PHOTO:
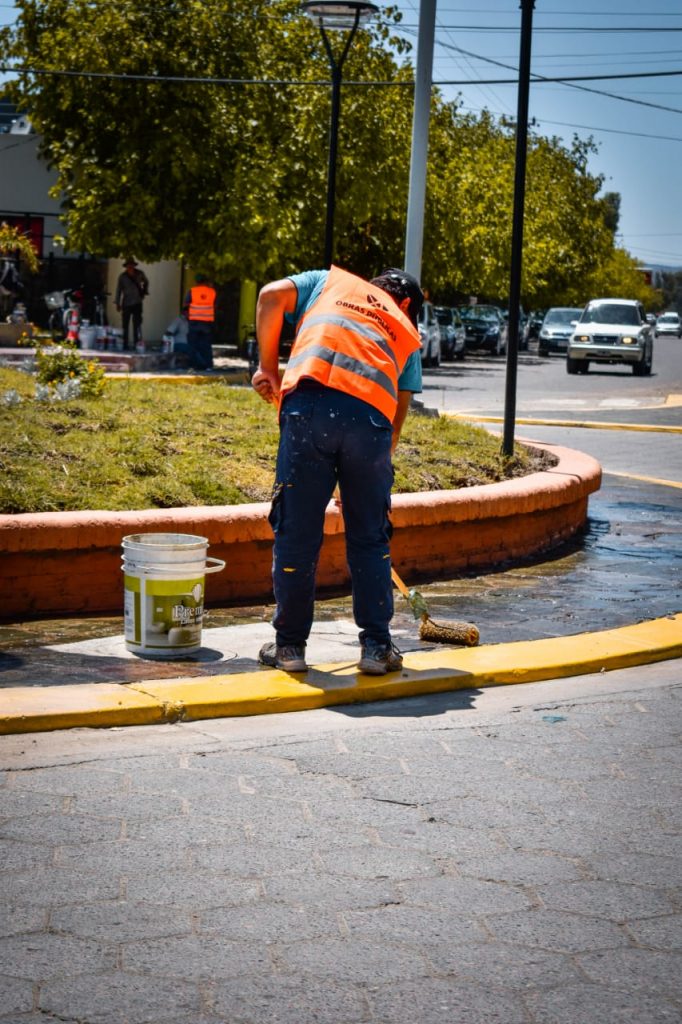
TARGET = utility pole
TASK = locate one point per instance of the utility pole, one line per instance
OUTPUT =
(414, 237)
(527, 7)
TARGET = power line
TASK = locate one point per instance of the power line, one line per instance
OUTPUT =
(613, 131)
(648, 253)
(594, 14)
(568, 29)
(192, 79)
(539, 122)
(536, 77)
(604, 59)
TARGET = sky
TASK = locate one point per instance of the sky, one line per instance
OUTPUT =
(639, 144)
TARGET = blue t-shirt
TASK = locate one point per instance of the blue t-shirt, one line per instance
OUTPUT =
(309, 284)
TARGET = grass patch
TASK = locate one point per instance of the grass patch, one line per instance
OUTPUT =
(148, 444)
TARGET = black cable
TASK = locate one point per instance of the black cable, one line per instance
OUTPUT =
(536, 77)
(190, 79)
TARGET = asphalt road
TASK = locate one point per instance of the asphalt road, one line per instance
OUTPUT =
(476, 387)
(478, 384)
(505, 855)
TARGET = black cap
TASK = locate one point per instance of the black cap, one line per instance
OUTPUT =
(402, 285)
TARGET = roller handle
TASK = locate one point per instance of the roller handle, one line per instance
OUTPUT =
(399, 584)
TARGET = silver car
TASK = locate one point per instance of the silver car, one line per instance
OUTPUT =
(451, 332)
(669, 323)
(611, 331)
(557, 328)
(429, 336)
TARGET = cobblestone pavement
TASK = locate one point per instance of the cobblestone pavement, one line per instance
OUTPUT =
(507, 855)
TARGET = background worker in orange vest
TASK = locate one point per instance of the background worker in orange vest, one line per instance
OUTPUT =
(199, 306)
(343, 398)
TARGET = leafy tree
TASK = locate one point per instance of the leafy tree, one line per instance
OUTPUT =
(230, 177)
(14, 242)
(611, 203)
(471, 182)
(671, 290)
(620, 276)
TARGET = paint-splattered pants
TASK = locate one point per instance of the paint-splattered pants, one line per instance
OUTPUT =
(327, 436)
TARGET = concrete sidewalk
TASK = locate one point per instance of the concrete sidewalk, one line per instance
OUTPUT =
(608, 599)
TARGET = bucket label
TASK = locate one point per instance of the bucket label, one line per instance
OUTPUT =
(163, 614)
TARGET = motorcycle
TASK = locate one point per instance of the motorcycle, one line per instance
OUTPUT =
(65, 313)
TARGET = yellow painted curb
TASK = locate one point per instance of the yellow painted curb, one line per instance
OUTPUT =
(43, 708)
(587, 424)
(36, 709)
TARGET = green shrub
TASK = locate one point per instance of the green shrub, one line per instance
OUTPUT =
(66, 374)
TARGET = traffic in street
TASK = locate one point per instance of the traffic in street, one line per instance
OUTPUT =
(475, 388)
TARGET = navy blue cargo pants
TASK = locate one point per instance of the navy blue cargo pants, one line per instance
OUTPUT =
(327, 436)
(200, 342)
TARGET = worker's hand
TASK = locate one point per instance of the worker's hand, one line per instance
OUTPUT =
(267, 384)
(118, 308)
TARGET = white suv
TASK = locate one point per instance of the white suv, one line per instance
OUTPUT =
(611, 331)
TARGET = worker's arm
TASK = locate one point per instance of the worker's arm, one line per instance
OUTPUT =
(404, 399)
(409, 384)
(274, 301)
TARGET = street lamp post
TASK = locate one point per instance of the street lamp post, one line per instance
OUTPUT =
(517, 225)
(330, 15)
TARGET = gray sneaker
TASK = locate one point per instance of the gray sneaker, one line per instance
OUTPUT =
(377, 659)
(290, 657)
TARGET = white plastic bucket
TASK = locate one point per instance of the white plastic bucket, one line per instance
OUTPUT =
(87, 336)
(164, 581)
(116, 336)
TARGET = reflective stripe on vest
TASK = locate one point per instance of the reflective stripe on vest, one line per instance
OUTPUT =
(201, 303)
(354, 338)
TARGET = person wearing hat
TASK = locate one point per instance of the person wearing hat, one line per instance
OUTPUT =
(354, 366)
(131, 289)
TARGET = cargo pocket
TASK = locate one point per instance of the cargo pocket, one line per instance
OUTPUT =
(275, 514)
(388, 525)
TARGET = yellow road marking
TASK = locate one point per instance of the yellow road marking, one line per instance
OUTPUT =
(589, 424)
(645, 479)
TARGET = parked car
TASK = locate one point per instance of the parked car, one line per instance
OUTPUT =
(557, 328)
(429, 336)
(669, 323)
(523, 320)
(460, 335)
(451, 332)
(531, 330)
(484, 328)
(611, 331)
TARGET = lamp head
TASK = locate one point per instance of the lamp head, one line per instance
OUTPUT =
(334, 14)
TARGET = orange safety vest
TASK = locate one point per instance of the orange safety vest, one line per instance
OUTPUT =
(202, 303)
(354, 338)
